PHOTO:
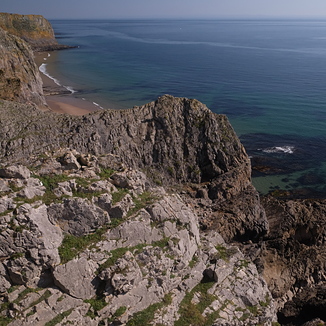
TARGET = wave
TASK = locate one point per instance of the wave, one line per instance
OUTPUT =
(44, 71)
(96, 104)
(280, 149)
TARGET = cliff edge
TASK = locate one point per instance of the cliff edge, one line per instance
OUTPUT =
(34, 29)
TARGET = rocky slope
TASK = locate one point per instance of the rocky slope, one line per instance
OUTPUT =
(86, 245)
(34, 29)
(174, 140)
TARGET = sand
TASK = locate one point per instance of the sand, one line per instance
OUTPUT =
(57, 97)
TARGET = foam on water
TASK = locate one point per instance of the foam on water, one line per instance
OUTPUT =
(44, 71)
(279, 149)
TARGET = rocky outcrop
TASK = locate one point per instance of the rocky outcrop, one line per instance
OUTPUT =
(151, 265)
(34, 29)
(20, 79)
(173, 140)
(292, 258)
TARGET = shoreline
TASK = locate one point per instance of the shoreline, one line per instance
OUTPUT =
(58, 98)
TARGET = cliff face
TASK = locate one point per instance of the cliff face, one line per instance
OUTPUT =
(34, 29)
(174, 140)
(20, 79)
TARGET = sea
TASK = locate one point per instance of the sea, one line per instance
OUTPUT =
(267, 76)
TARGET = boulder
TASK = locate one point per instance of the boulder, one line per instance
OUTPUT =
(81, 283)
(15, 171)
(78, 216)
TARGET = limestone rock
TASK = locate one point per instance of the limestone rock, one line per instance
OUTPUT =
(121, 209)
(81, 282)
(78, 216)
(15, 171)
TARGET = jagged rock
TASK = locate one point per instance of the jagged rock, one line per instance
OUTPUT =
(123, 276)
(23, 272)
(4, 186)
(81, 282)
(6, 204)
(78, 216)
(104, 201)
(4, 283)
(32, 188)
(41, 238)
(15, 171)
(121, 209)
(65, 188)
(131, 179)
(69, 161)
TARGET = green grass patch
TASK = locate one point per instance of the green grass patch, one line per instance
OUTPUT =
(146, 316)
(143, 200)
(190, 313)
(118, 195)
(50, 182)
(4, 320)
(120, 252)
(59, 318)
(119, 312)
(72, 245)
(106, 173)
(97, 304)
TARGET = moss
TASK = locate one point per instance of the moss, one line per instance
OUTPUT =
(225, 253)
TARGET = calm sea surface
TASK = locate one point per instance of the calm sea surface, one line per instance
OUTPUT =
(268, 77)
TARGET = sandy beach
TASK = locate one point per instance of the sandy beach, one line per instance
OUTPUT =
(58, 98)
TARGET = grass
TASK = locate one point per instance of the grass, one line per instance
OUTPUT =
(106, 173)
(119, 252)
(59, 318)
(119, 312)
(146, 316)
(97, 304)
(143, 200)
(72, 245)
(190, 313)
(118, 195)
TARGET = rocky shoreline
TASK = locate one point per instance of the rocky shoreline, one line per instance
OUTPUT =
(144, 216)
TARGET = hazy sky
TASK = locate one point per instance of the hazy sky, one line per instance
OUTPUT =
(166, 8)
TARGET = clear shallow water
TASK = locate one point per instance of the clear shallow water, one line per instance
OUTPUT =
(268, 77)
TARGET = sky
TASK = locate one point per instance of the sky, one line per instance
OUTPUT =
(139, 9)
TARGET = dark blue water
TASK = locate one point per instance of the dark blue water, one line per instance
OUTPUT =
(268, 77)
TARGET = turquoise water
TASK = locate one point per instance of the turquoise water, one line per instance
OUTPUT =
(268, 77)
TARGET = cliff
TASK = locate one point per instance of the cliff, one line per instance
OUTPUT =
(20, 80)
(34, 29)
(174, 140)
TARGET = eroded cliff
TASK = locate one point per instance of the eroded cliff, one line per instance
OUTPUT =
(34, 29)
(20, 80)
